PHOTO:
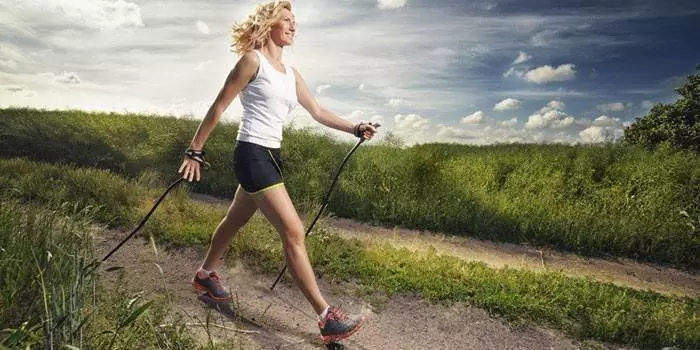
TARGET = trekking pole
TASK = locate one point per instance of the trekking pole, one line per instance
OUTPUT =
(195, 155)
(143, 221)
(325, 201)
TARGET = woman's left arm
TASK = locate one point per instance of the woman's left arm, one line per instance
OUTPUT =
(324, 116)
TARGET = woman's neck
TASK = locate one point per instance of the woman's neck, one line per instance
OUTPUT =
(271, 50)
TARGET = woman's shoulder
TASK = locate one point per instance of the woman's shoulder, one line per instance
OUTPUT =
(249, 58)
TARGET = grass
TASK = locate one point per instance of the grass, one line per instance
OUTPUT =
(51, 294)
(592, 200)
(581, 307)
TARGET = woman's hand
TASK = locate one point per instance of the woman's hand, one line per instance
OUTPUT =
(366, 130)
(190, 168)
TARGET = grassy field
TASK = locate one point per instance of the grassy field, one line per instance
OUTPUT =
(580, 307)
(592, 200)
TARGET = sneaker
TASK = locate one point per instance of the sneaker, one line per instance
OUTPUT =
(211, 286)
(338, 325)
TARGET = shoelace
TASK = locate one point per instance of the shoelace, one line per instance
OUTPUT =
(337, 314)
(215, 277)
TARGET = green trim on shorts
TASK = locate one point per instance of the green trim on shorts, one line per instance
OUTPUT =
(268, 188)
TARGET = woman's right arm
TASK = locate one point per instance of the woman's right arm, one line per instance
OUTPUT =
(238, 78)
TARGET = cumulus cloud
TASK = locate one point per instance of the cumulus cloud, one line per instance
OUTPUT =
(508, 123)
(202, 27)
(522, 57)
(604, 121)
(547, 73)
(550, 119)
(390, 4)
(596, 134)
(411, 122)
(451, 132)
(474, 118)
(555, 104)
(321, 88)
(507, 104)
(612, 107)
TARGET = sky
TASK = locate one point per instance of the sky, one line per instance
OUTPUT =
(476, 72)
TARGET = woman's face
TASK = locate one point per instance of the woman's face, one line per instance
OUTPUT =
(282, 32)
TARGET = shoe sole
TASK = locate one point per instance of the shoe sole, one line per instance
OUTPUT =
(206, 291)
(332, 338)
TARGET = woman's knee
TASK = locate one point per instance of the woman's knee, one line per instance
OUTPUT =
(293, 236)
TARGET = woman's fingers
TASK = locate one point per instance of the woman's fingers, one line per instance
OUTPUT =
(190, 170)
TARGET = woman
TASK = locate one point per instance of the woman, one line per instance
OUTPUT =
(269, 90)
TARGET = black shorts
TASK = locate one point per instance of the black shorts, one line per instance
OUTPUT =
(257, 168)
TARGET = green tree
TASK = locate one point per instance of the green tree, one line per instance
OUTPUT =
(676, 124)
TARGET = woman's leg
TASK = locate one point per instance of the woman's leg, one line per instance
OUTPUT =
(241, 210)
(277, 207)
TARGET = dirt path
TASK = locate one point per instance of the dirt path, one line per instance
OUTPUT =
(261, 319)
(620, 271)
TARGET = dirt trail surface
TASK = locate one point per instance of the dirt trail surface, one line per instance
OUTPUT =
(282, 319)
(620, 271)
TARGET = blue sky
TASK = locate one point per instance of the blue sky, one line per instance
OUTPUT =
(477, 72)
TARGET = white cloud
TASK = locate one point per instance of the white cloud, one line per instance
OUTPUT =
(549, 119)
(411, 122)
(68, 78)
(512, 71)
(604, 120)
(358, 115)
(508, 123)
(451, 132)
(547, 73)
(522, 57)
(203, 27)
(555, 104)
(361, 86)
(16, 90)
(596, 134)
(201, 65)
(321, 88)
(612, 107)
(8, 63)
(397, 102)
(474, 118)
(646, 104)
(507, 104)
(101, 14)
(390, 4)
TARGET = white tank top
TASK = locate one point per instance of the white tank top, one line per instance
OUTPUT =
(267, 102)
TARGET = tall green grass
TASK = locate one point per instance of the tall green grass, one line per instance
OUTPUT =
(594, 200)
(50, 294)
(580, 307)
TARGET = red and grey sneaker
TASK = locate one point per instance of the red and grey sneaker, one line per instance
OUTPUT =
(338, 325)
(211, 285)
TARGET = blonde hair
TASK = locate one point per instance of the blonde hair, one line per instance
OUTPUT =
(255, 30)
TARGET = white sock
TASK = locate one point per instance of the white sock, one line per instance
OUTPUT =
(322, 315)
(203, 273)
